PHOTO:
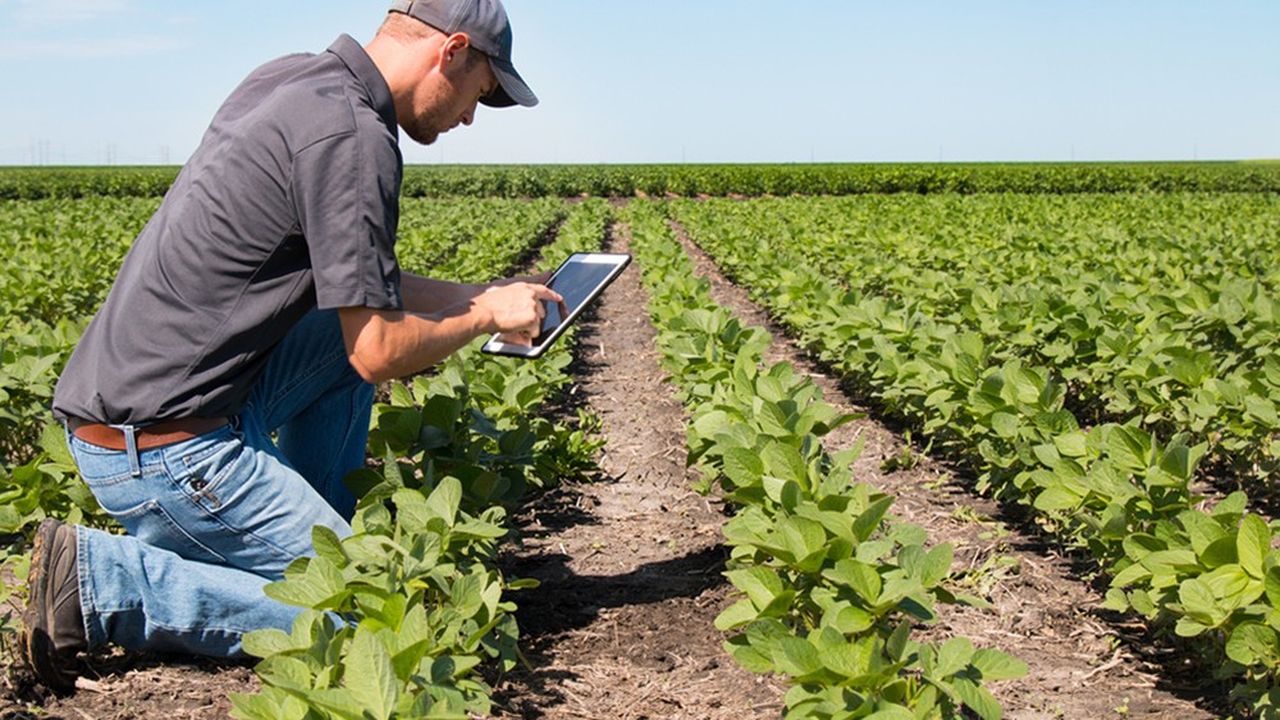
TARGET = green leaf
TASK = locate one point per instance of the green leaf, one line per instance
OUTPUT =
(737, 614)
(796, 657)
(1186, 627)
(445, 500)
(977, 699)
(896, 646)
(709, 424)
(53, 441)
(1129, 447)
(284, 671)
(328, 545)
(848, 659)
(320, 586)
(1072, 445)
(1252, 643)
(270, 704)
(936, 565)
(1220, 552)
(412, 511)
(338, 701)
(784, 461)
(743, 467)
(1202, 529)
(1198, 600)
(760, 584)
(996, 665)
(869, 520)
(1272, 585)
(265, 643)
(1055, 498)
(1252, 544)
(891, 712)
(749, 658)
(953, 656)
(805, 540)
(858, 575)
(369, 677)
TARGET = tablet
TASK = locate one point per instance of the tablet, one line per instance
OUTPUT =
(580, 280)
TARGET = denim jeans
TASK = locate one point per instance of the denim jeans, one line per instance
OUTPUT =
(213, 519)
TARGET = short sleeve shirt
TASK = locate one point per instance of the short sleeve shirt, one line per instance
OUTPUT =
(290, 203)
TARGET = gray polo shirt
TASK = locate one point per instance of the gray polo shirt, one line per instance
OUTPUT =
(290, 203)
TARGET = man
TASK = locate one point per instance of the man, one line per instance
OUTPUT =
(263, 297)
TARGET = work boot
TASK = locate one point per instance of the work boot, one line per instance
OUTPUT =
(53, 626)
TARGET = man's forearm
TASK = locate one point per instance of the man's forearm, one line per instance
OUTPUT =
(384, 345)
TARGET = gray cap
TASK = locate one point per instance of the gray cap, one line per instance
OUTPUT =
(485, 22)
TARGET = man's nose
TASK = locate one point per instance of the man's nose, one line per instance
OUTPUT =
(468, 116)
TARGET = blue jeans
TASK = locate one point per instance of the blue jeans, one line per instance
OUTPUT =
(213, 519)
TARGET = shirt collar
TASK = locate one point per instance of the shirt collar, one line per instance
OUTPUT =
(369, 77)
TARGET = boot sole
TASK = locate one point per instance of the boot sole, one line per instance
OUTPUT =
(38, 646)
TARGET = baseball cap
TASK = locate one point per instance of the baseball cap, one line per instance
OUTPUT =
(485, 22)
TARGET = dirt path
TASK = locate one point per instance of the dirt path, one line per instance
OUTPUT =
(1080, 666)
(630, 566)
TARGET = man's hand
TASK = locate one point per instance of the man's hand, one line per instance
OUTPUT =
(515, 309)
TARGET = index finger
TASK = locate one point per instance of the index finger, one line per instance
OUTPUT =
(542, 292)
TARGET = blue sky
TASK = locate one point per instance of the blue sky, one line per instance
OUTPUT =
(134, 81)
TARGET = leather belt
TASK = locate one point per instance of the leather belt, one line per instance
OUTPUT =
(151, 436)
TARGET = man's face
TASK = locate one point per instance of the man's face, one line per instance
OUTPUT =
(448, 94)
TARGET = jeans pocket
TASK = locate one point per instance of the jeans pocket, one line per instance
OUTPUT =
(204, 476)
(153, 525)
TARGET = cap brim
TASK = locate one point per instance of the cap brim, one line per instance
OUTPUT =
(512, 89)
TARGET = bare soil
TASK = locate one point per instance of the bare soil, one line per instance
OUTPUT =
(621, 626)
(1081, 664)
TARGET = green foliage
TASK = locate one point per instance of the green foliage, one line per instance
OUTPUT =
(998, 376)
(831, 583)
(688, 180)
(398, 616)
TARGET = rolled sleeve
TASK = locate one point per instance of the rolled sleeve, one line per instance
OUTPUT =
(347, 198)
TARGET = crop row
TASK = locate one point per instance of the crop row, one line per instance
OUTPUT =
(1152, 308)
(399, 615)
(832, 585)
(1155, 308)
(689, 180)
(1117, 490)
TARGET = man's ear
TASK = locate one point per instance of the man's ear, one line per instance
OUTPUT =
(453, 48)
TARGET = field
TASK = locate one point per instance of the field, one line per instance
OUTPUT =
(890, 441)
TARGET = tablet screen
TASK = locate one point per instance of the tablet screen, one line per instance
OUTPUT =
(574, 282)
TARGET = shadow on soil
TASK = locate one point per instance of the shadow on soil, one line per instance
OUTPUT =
(566, 601)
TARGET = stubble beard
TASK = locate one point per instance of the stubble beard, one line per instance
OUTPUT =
(422, 130)
(423, 125)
